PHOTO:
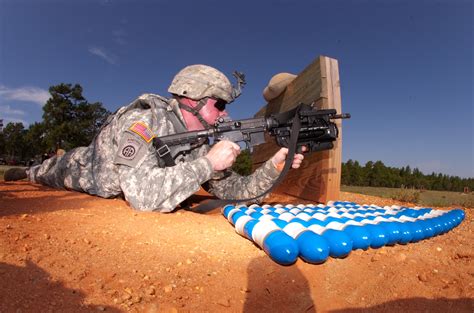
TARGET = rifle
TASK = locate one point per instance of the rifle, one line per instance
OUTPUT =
(317, 132)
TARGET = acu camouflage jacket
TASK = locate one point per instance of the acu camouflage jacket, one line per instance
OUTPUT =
(122, 159)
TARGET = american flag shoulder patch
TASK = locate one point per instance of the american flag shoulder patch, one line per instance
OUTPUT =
(143, 131)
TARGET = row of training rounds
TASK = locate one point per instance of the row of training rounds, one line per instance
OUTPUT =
(318, 231)
(282, 248)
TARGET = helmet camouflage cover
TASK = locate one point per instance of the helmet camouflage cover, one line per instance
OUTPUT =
(201, 81)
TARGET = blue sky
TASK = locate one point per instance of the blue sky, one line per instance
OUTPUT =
(406, 67)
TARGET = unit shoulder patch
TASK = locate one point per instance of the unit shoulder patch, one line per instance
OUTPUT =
(131, 150)
(142, 130)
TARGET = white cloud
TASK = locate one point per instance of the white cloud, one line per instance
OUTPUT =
(27, 94)
(9, 115)
(7, 111)
(101, 53)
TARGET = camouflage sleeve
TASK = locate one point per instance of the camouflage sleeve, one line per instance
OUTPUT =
(148, 187)
(236, 186)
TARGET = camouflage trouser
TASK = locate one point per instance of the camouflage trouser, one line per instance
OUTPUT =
(70, 171)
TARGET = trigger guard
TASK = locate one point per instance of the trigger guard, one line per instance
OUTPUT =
(282, 142)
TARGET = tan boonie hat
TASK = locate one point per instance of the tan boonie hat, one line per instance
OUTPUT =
(277, 85)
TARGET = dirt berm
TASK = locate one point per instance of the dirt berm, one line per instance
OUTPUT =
(63, 251)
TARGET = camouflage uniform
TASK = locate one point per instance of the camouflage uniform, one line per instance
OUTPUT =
(122, 160)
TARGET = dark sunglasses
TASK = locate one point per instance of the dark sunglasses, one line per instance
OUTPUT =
(220, 104)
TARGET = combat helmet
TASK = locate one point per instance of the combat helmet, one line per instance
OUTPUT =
(200, 81)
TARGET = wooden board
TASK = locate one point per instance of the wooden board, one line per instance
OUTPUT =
(319, 178)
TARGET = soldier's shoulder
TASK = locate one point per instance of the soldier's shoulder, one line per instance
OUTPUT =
(154, 98)
(141, 109)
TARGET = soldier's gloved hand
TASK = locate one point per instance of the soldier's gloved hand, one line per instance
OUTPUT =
(223, 155)
(280, 157)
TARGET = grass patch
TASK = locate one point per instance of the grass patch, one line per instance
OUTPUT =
(420, 197)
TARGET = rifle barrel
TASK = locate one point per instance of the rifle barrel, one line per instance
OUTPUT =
(341, 116)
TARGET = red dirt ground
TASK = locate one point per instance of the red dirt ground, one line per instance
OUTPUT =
(63, 251)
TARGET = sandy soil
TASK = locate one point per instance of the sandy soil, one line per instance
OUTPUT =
(63, 251)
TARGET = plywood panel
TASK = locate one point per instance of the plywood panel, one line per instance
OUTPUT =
(319, 177)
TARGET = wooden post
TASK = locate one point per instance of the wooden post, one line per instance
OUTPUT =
(319, 178)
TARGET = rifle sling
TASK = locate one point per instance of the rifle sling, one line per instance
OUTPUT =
(295, 129)
(163, 152)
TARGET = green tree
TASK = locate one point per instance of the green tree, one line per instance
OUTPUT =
(69, 119)
(35, 140)
(418, 179)
(446, 182)
(3, 149)
(369, 178)
(345, 172)
(356, 174)
(243, 163)
(89, 118)
(378, 175)
(456, 184)
(14, 135)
